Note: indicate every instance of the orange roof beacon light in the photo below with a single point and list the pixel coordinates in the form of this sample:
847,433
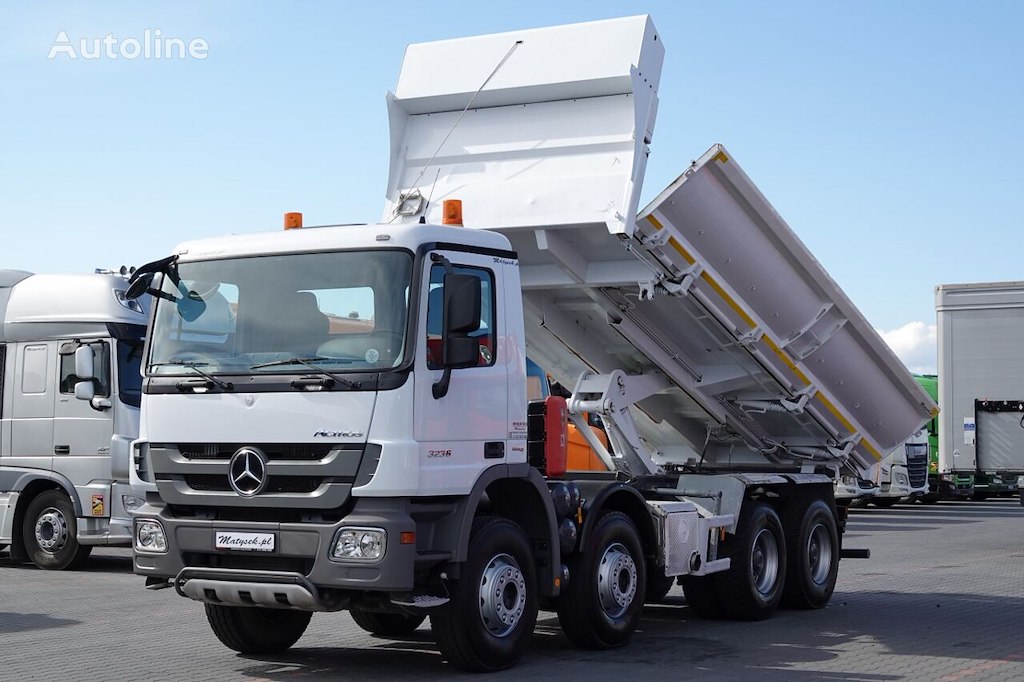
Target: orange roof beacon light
292,221
452,212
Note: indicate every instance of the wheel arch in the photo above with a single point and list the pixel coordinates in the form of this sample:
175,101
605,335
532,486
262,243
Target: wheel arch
29,486
627,500
520,494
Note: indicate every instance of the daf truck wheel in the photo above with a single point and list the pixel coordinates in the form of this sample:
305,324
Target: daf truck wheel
493,607
50,533
607,583
813,556
752,587
386,624
254,630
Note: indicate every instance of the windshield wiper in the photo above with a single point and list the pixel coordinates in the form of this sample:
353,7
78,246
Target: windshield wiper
308,362
211,380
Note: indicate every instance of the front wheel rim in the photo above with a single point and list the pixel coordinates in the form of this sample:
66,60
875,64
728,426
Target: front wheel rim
764,562
51,530
616,580
502,595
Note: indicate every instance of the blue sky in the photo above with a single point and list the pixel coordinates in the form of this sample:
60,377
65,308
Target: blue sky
887,134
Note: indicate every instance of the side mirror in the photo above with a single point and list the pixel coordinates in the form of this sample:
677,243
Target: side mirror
139,286
84,390
191,306
461,317
84,369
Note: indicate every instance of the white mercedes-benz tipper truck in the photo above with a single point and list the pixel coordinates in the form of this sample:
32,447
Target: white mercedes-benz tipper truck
981,385
70,389
337,418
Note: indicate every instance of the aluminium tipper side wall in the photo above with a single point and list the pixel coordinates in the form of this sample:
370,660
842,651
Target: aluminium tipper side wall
981,376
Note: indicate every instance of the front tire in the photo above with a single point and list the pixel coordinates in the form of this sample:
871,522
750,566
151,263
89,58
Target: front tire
386,624
604,601
752,587
493,607
254,630
813,556
50,533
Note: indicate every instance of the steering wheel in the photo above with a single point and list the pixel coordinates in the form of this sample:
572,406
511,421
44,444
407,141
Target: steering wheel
390,340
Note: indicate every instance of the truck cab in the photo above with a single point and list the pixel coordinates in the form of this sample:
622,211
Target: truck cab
71,384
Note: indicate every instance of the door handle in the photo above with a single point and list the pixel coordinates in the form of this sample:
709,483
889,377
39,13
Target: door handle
62,449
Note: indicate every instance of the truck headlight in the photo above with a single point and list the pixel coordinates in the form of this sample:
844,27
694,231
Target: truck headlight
901,479
150,537
359,544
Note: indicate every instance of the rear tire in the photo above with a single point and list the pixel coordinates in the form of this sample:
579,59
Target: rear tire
812,558
607,582
752,587
254,630
386,624
50,533
493,607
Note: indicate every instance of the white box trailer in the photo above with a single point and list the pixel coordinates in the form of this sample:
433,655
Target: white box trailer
734,378
981,384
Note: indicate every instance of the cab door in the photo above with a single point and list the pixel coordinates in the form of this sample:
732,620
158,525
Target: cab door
466,430
32,389
82,429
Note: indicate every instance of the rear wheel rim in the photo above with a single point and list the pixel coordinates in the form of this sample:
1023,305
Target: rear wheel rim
502,595
819,554
616,580
764,562
51,530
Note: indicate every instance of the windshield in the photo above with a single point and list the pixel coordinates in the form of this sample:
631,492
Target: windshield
340,311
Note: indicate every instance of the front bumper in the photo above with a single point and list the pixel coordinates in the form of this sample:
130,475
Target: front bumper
300,555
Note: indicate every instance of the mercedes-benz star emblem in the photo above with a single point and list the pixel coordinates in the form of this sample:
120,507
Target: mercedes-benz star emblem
247,471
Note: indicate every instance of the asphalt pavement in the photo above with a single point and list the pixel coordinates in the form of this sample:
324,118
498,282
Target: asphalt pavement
941,598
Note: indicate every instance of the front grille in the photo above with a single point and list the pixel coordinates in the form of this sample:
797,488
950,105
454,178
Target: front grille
917,464
298,475
273,451
275,484
250,561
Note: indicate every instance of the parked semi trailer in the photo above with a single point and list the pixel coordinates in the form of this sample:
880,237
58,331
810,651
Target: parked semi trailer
981,385
70,389
396,472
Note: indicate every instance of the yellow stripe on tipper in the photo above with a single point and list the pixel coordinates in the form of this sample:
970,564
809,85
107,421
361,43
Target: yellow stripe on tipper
654,221
785,358
870,448
721,157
